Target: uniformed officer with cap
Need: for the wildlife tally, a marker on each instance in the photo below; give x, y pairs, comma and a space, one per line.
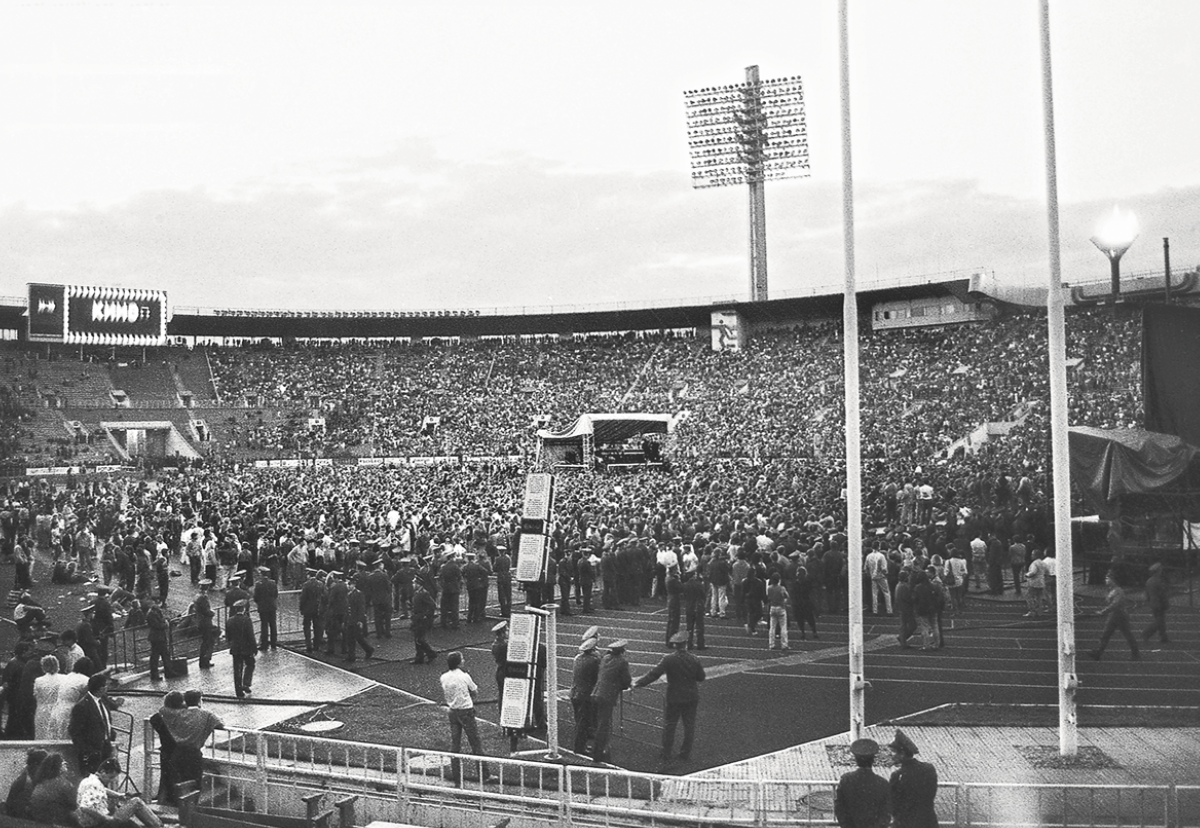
584, 673
684, 672
239, 631
205, 625
613, 678
862, 799
914, 785
312, 596
500, 656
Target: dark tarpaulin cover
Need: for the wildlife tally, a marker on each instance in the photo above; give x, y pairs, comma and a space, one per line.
1171, 370
1107, 464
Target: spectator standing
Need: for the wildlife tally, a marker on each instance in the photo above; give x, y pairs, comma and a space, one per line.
459, 691
90, 725
1017, 558
1035, 585
1158, 600
876, 568
777, 604
695, 596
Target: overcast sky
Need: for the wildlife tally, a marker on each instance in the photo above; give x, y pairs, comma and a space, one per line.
476, 154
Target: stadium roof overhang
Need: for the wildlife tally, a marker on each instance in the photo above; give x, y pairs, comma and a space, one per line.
393, 325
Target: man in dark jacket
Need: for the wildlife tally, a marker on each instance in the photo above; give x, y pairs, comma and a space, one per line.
239, 631
694, 595
311, 594
90, 726
378, 592
356, 625
159, 638
205, 626
674, 587
905, 609
1157, 601
613, 678
585, 574
450, 578
584, 673
102, 623
503, 570
684, 672
913, 786
335, 611
266, 598
863, 799
475, 579
424, 609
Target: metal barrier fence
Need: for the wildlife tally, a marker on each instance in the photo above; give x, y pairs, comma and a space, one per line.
129, 648
270, 772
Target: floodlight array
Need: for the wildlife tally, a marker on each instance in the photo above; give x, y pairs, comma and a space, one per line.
747, 132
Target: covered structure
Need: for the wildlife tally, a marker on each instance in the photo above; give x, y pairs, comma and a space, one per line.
1147, 486
607, 440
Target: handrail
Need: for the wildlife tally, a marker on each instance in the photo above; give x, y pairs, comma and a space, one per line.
394, 783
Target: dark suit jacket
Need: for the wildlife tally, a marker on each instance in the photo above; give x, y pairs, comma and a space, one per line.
914, 785
86, 727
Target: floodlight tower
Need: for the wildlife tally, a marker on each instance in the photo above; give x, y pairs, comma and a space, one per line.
748, 133
1116, 233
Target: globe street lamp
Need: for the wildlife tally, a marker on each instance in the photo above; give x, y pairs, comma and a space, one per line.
1115, 233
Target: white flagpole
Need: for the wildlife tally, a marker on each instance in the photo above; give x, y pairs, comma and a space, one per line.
854, 527
1068, 744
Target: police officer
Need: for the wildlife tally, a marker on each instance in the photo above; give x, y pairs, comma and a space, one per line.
355, 634
684, 672
335, 611
613, 678
913, 786
203, 610
311, 594
500, 656
862, 799
584, 673
266, 598
239, 631
424, 609
475, 579
503, 569
378, 590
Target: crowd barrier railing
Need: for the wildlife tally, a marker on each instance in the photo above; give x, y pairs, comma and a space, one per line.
270, 772
129, 647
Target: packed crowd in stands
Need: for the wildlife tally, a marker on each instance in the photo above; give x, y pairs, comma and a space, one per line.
754, 489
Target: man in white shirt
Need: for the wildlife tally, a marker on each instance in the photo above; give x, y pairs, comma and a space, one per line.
876, 567
96, 801
459, 690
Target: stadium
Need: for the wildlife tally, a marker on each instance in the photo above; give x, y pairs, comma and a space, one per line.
356, 430
590, 542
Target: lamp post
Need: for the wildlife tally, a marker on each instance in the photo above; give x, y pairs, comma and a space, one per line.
1115, 233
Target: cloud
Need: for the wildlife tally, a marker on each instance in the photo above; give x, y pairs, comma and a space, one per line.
411, 229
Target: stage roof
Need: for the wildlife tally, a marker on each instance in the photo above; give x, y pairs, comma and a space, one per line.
611, 428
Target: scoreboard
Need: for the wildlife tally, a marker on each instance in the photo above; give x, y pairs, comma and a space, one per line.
82, 315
